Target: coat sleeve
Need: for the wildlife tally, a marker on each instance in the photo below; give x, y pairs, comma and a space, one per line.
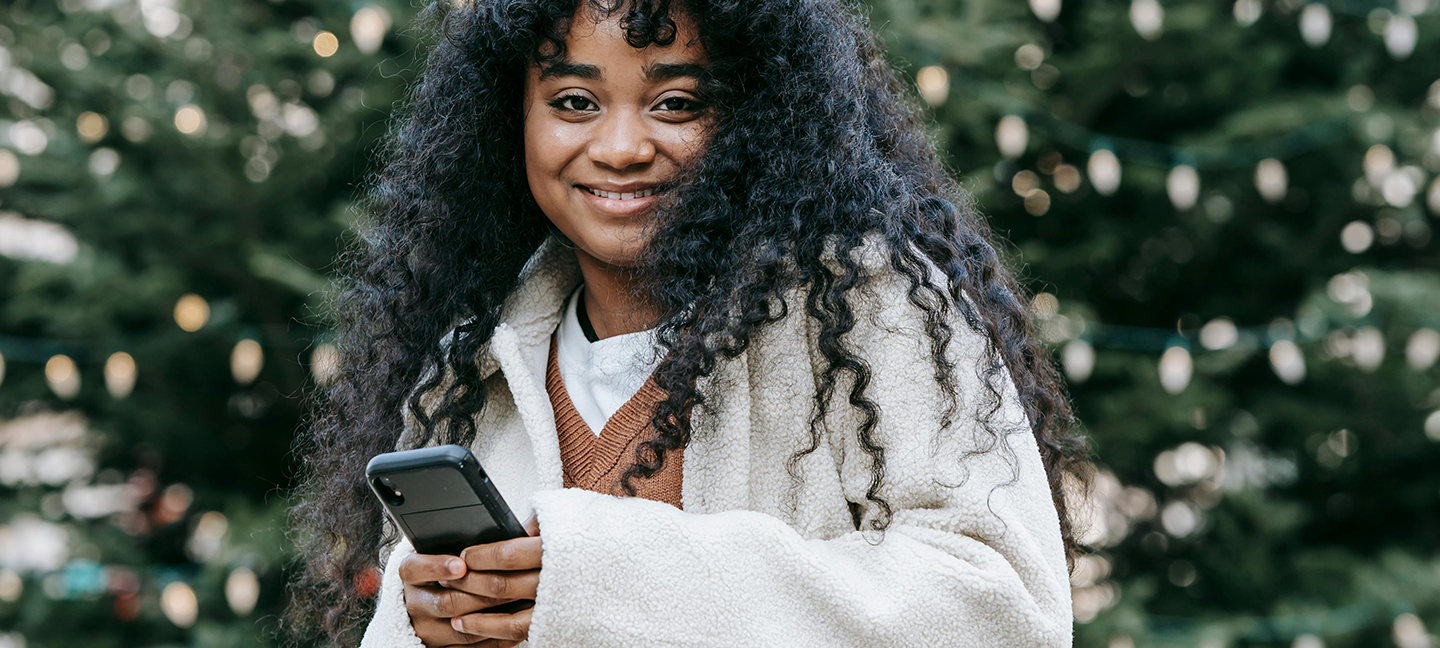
972, 556
390, 627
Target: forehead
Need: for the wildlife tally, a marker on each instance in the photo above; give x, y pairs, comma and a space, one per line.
597, 39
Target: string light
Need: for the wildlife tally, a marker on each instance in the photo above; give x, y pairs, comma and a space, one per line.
1409, 632
368, 27
1421, 350
1432, 426
325, 44
1287, 361
1045, 10
1012, 136
1357, 236
91, 126
242, 590
9, 167
1183, 186
1432, 198
934, 84
178, 603
246, 360
120, 374
62, 376
192, 312
1148, 17
1401, 35
1219, 333
1175, 369
1308, 641
190, 120
1368, 348
1104, 170
1271, 180
1078, 357
1315, 24
1247, 12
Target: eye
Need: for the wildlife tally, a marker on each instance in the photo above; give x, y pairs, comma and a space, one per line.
678, 104
573, 103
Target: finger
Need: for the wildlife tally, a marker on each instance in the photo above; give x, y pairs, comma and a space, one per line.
498, 584
443, 603
506, 555
427, 568
514, 627
532, 525
439, 632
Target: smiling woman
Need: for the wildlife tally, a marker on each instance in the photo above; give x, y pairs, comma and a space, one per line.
691, 282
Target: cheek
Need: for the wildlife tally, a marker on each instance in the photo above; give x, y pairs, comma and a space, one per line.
684, 142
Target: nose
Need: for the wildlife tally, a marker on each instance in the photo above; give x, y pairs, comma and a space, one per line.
622, 140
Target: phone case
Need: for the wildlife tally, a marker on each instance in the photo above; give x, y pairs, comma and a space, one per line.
441, 499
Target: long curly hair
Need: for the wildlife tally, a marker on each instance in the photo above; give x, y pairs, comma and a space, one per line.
815, 143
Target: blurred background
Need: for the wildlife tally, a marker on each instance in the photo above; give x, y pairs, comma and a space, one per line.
1225, 210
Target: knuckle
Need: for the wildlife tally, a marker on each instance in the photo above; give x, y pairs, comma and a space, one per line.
447, 604
499, 586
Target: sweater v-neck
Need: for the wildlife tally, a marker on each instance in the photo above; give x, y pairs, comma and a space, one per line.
589, 459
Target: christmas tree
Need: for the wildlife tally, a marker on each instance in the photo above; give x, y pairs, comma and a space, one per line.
1224, 211
176, 180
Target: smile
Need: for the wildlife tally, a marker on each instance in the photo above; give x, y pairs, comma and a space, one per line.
643, 193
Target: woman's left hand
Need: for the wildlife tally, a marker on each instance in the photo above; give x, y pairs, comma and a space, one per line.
509, 569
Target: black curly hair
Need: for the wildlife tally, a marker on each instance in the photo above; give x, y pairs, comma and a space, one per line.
799, 89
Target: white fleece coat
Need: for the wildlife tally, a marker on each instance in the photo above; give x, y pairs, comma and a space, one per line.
972, 557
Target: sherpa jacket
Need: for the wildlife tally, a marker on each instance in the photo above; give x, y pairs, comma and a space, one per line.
972, 556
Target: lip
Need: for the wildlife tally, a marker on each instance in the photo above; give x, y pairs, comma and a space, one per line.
618, 208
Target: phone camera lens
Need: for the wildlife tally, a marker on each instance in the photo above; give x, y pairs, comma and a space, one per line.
389, 492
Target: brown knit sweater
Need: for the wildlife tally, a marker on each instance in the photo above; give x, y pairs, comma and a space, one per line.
596, 462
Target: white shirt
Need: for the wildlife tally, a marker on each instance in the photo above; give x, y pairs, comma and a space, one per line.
601, 376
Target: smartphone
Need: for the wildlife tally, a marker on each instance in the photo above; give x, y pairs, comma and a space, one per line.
441, 499
443, 502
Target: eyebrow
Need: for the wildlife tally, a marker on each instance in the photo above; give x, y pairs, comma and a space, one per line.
655, 72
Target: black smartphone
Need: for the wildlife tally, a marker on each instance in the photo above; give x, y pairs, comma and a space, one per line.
443, 502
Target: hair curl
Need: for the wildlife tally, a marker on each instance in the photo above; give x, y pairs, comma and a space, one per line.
799, 89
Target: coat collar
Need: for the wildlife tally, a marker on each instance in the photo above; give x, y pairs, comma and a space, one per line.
716, 468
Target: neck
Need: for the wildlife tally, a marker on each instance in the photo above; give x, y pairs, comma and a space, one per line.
614, 298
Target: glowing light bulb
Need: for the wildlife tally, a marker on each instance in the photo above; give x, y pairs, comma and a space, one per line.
1045, 10
9, 167
242, 590
120, 374
190, 120
1011, 136
1148, 17
1175, 369
1183, 186
1400, 36
246, 360
368, 27
1104, 169
63, 376
1368, 348
1421, 350
1219, 333
326, 44
324, 362
179, 604
1357, 236
1287, 361
192, 312
1247, 12
934, 83
1315, 24
91, 126
1271, 180
1078, 357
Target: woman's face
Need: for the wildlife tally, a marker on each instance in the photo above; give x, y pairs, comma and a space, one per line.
604, 126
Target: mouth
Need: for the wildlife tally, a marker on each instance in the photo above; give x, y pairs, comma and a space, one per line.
620, 203
617, 195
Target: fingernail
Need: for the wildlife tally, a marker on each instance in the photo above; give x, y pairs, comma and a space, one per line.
455, 623
456, 566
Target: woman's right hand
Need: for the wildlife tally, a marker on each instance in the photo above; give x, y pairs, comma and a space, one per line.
431, 606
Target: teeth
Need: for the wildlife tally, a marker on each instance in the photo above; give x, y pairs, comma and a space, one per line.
643, 193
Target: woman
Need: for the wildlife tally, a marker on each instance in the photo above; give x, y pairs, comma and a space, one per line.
835, 426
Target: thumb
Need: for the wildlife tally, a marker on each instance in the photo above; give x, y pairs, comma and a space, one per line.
532, 525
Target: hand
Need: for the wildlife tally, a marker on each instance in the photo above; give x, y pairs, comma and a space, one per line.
444, 594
